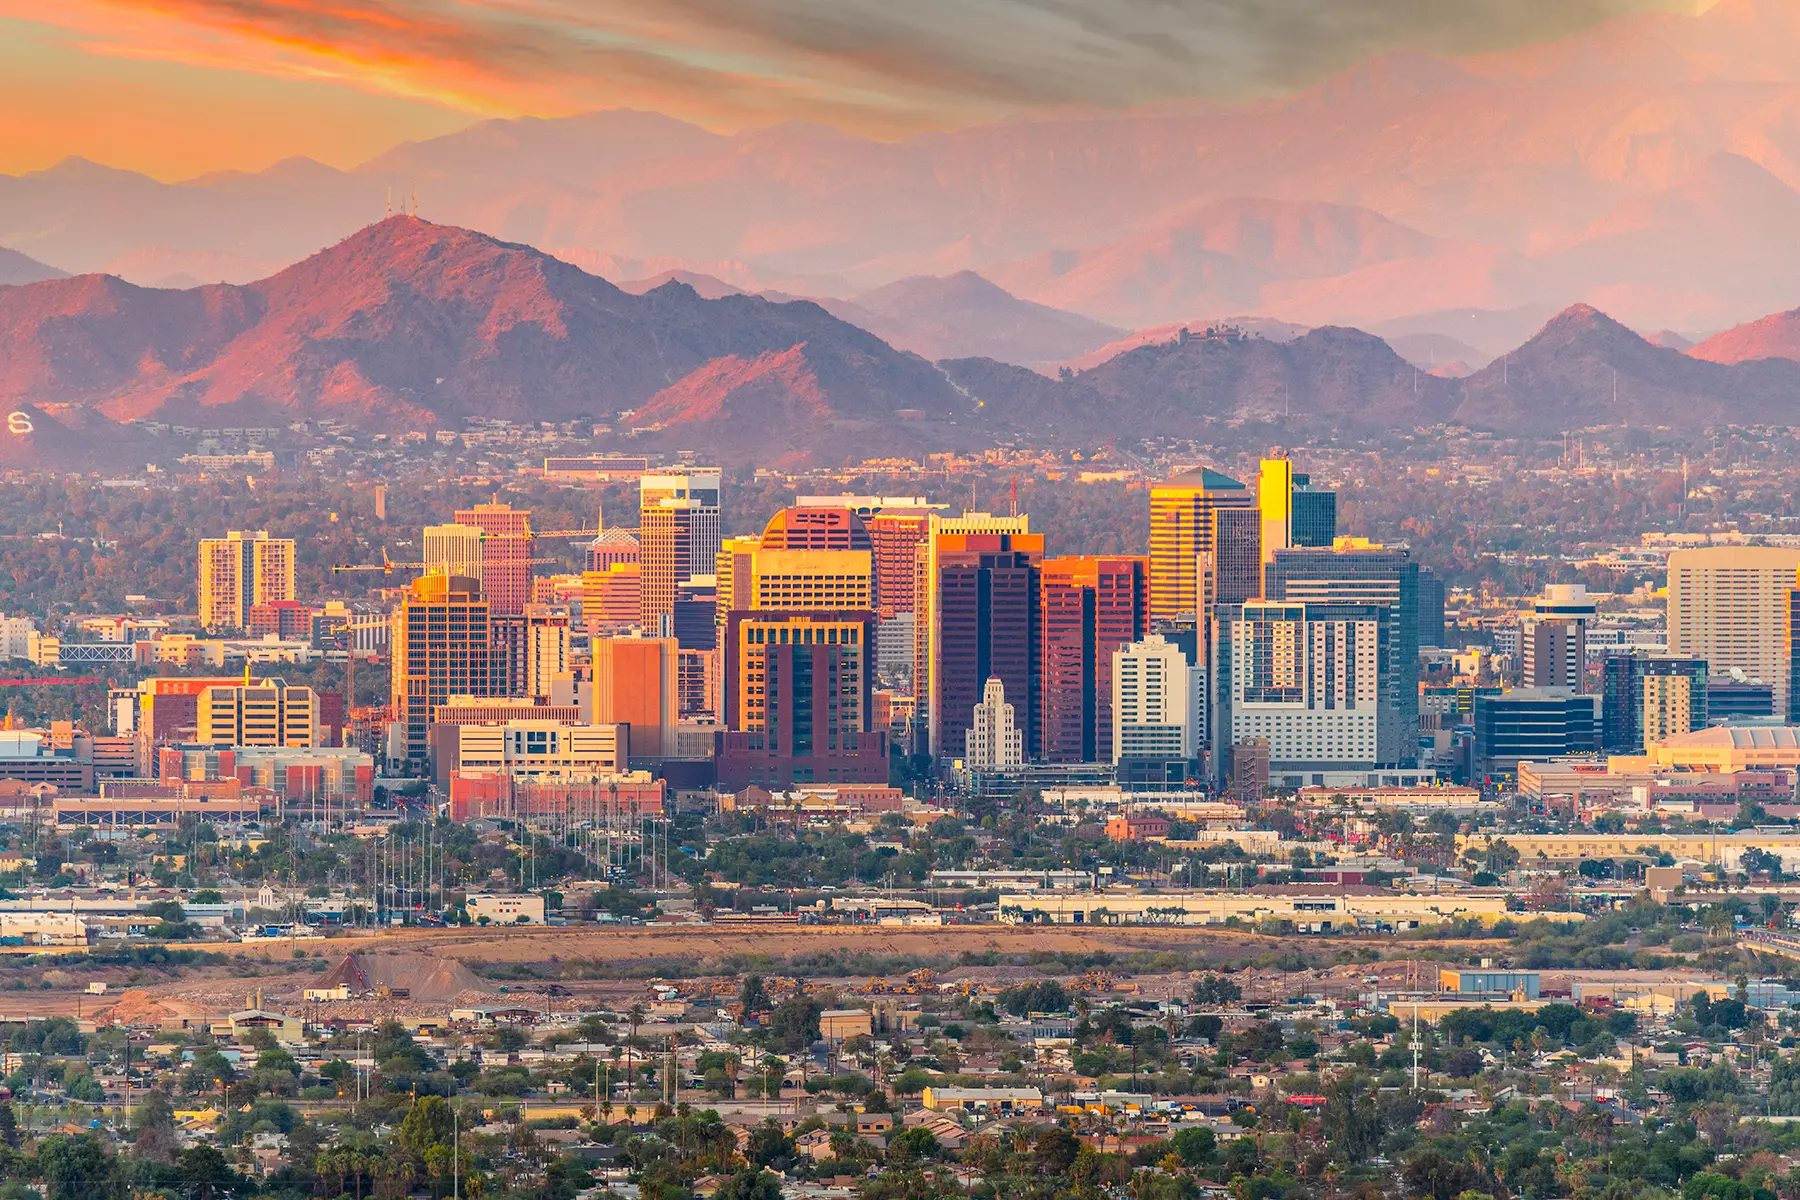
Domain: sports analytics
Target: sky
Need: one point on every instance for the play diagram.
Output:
(176, 88)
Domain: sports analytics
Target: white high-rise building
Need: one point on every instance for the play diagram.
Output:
(238, 572)
(1159, 701)
(993, 739)
(15, 637)
(1729, 606)
(453, 550)
(1305, 678)
(1553, 637)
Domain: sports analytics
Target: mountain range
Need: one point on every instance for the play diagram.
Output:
(412, 325)
(1649, 167)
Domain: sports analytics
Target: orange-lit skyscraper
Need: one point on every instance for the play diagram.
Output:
(440, 649)
(984, 612)
(635, 683)
(505, 554)
(678, 536)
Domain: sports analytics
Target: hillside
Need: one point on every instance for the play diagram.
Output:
(16, 268)
(1776, 336)
(408, 324)
(966, 316)
(1584, 368)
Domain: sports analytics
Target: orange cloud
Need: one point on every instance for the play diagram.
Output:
(875, 66)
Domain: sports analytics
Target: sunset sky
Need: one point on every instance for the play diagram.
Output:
(175, 88)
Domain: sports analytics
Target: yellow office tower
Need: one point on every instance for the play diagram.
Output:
(1181, 529)
(238, 572)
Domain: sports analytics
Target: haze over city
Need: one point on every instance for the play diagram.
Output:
(1166, 599)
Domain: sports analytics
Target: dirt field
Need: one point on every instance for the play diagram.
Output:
(701, 947)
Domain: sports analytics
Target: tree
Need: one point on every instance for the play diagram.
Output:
(915, 1143)
(428, 1123)
(1213, 990)
(75, 1168)
(751, 1183)
(1194, 1147)
(795, 1023)
(753, 997)
(204, 1171)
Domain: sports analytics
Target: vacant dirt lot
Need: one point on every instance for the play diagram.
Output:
(699, 947)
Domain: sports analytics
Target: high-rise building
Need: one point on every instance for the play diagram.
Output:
(1233, 569)
(694, 623)
(984, 613)
(924, 590)
(1625, 709)
(896, 535)
(1530, 724)
(505, 554)
(1553, 637)
(993, 739)
(1307, 678)
(258, 714)
(1091, 607)
(1313, 521)
(833, 580)
(240, 571)
(797, 706)
(1275, 504)
(732, 575)
(1729, 606)
(612, 546)
(896, 525)
(678, 536)
(1360, 572)
(635, 683)
(452, 550)
(611, 600)
(1181, 529)
(530, 652)
(816, 527)
(1158, 704)
(1431, 607)
(441, 648)
(1669, 705)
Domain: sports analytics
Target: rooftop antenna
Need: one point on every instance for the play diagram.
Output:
(390, 200)
(1015, 495)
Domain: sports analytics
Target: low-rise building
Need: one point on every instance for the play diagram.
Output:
(496, 909)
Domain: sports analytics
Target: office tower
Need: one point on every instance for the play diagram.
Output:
(381, 502)
(1625, 711)
(697, 680)
(1360, 572)
(441, 649)
(896, 525)
(1307, 678)
(694, 623)
(1181, 529)
(240, 571)
(732, 576)
(1158, 704)
(635, 684)
(1232, 571)
(452, 550)
(258, 714)
(505, 554)
(993, 738)
(530, 652)
(1729, 606)
(1091, 607)
(1532, 724)
(612, 546)
(1669, 705)
(1431, 607)
(896, 534)
(816, 527)
(1275, 504)
(925, 590)
(678, 536)
(611, 600)
(797, 700)
(834, 580)
(1313, 519)
(985, 608)
(1553, 638)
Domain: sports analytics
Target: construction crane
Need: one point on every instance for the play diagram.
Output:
(389, 566)
(578, 533)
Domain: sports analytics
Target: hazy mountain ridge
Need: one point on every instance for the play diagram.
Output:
(409, 325)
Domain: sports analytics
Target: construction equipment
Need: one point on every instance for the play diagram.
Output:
(388, 566)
